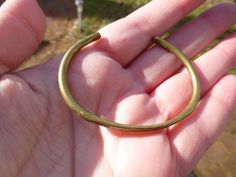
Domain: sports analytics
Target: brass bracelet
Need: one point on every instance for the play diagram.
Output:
(82, 112)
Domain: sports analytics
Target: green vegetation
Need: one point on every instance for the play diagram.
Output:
(98, 13)
(233, 71)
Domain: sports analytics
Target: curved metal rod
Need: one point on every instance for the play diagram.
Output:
(73, 105)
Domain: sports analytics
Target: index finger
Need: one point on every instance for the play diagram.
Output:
(126, 38)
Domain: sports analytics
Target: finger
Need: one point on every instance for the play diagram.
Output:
(193, 136)
(150, 69)
(22, 27)
(211, 67)
(126, 38)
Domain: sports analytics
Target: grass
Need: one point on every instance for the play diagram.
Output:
(233, 71)
(100, 13)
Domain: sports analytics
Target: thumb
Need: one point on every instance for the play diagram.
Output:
(22, 26)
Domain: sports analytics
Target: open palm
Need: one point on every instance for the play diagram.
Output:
(118, 79)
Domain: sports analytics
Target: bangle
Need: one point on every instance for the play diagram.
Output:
(82, 112)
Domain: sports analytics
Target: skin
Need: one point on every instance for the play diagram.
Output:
(114, 78)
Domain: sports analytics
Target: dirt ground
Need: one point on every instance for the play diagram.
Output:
(61, 18)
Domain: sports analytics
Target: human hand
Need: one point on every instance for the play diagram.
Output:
(118, 79)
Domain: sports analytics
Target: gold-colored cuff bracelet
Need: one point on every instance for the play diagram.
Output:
(82, 112)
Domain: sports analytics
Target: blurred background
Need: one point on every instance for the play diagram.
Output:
(63, 29)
